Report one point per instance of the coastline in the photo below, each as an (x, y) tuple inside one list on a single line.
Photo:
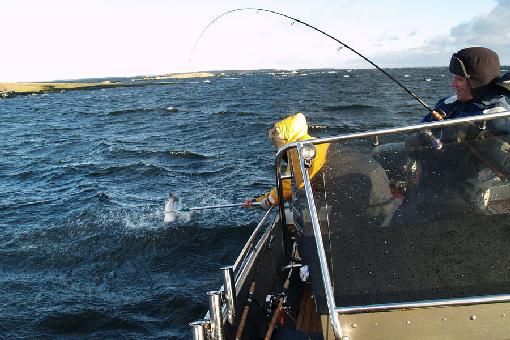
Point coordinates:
[(9, 90)]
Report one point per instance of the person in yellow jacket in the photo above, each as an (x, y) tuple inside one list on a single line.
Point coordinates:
[(291, 129)]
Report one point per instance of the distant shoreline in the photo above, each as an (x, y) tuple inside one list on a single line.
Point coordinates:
[(9, 90)]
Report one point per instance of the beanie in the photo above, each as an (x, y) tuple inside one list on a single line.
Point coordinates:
[(479, 65)]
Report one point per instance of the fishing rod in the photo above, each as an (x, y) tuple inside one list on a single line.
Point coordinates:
[(320, 31)]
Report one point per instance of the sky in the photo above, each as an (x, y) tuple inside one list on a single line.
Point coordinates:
[(72, 39)]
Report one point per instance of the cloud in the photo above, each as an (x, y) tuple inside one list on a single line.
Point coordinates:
[(412, 34), (491, 30)]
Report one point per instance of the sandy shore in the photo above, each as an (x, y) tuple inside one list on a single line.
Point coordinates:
[(8, 90), (13, 89), (183, 76)]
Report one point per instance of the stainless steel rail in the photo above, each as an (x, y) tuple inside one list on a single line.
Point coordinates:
[(330, 298), (222, 302), (424, 304), (249, 244), (391, 131), (250, 260)]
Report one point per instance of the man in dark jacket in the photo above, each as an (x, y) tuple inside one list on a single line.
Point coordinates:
[(457, 165), (478, 87)]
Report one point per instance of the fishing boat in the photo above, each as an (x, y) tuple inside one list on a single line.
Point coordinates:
[(394, 238)]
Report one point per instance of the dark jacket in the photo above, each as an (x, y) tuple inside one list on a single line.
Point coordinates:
[(457, 164), (496, 99)]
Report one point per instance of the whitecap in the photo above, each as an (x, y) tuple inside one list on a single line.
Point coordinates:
[(428, 79), (406, 76), (346, 76)]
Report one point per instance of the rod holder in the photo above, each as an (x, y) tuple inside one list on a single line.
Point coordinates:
[(198, 329), (215, 297), (230, 292)]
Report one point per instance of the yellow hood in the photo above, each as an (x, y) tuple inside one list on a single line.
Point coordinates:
[(293, 128)]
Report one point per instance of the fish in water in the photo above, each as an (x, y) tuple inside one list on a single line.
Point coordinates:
[(170, 213)]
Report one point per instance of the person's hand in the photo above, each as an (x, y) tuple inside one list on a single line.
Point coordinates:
[(248, 203), (438, 114)]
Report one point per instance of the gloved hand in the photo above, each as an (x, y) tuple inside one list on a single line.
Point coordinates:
[(248, 203), (253, 203)]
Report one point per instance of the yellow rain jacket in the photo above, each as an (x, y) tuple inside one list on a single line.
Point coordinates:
[(294, 129)]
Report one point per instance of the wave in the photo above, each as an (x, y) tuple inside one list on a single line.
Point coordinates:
[(188, 155), (19, 205), (88, 321), (147, 169), (234, 113), (349, 107), (180, 154), (317, 127), (127, 111), (26, 174)]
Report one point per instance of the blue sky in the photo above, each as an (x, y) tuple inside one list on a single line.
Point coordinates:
[(57, 39)]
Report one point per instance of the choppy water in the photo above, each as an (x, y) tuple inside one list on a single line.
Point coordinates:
[(84, 175)]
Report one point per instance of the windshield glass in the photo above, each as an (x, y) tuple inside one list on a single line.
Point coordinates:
[(421, 216)]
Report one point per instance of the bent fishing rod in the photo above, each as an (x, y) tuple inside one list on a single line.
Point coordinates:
[(321, 32)]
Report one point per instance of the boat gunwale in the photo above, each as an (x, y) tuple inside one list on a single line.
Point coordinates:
[(455, 302)]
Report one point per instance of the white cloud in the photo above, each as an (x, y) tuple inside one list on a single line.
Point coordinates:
[(491, 30)]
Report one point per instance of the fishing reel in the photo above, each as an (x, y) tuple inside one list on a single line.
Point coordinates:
[(438, 114)]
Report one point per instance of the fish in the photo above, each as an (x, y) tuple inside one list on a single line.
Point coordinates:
[(170, 212)]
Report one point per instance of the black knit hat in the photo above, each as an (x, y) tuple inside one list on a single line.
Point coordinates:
[(479, 65)]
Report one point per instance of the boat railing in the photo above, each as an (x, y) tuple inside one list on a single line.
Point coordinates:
[(375, 134), (222, 302), (333, 309)]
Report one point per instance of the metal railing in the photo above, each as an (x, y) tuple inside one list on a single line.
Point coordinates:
[(222, 302), (326, 279), (424, 304)]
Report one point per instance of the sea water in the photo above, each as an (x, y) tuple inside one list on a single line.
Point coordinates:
[(85, 175)]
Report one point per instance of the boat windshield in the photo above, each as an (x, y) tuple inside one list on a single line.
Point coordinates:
[(411, 215)]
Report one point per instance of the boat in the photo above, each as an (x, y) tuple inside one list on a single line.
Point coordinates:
[(391, 239)]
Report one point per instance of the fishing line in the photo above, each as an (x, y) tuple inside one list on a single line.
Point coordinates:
[(294, 20)]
